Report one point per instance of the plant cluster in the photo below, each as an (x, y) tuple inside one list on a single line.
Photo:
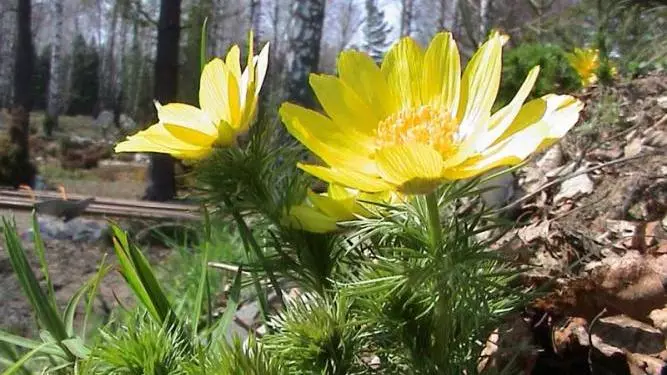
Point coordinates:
[(381, 271)]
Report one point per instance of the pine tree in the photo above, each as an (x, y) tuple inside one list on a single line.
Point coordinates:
[(375, 31)]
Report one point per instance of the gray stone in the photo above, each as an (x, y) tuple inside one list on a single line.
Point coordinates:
[(78, 229), (104, 120), (127, 123)]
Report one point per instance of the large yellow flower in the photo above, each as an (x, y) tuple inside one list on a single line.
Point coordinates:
[(586, 63), (320, 213), (415, 121), (228, 99)]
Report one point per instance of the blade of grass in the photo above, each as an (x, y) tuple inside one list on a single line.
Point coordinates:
[(201, 288), (202, 46), (23, 342), (222, 324), (46, 313), (18, 365), (10, 357), (39, 249), (139, 274), (132, 279), (70, 310), (103, 270)]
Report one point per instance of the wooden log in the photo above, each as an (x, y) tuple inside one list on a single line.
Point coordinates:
[(155, 211), (103, 200)]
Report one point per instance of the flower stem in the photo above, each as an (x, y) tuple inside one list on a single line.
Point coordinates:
[(251, 246), (435, 228)]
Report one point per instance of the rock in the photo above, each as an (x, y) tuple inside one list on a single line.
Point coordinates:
[(501, 189), (104, 120), (574, 187), (127, 123), (659, 319), (619, 334), (662, 102), (78, 229), (631, 284), (642, 364), (142, 158)]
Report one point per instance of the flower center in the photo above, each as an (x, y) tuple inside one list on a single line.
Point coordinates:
[(425, 125)]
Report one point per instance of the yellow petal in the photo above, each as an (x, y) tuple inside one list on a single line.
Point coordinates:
[(479, 87), (213, 92), (234, 98), (309, 219), (325, 139), (540, 123), (233, 62), (560, 112), (343, 105), (338, 209), (441, 81), (510, 151), (360, 73), (261, 67), (346, 177), (402, 68), (502, 119), (157, 139), (188, 123), (414, 168)]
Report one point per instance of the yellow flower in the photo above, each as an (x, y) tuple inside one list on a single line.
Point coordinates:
[(415, 121), (321, 212), (228, 99), (586, 63)]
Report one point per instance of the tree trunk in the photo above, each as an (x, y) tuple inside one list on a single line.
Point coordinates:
[(21, 171), (303, 54), (256, 20), (448, 14), (7, 41), (484, 10), (406, 17), (162, 182), (54, 99)]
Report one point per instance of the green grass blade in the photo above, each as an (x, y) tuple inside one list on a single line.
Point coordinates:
[(70, 310), (46, 313), (18, 365), (9, 357), (138, 273), (23, 342), (40, 250), (77, 347), (90, 298), (129, 273), (201, 288), (232, 304), (202, 46)]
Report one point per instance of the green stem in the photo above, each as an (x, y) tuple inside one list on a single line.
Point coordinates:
[(435, 228), (251, 245)]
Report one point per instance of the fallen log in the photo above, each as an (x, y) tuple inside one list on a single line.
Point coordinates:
[(106, 207)]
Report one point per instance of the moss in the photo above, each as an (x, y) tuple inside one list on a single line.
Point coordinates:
[(556, 75)]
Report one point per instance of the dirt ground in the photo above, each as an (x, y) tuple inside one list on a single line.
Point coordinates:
[(592, 223), (70, 263)]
